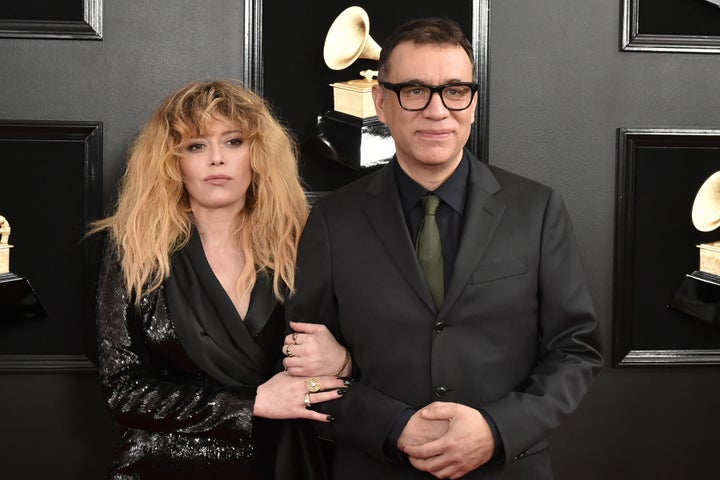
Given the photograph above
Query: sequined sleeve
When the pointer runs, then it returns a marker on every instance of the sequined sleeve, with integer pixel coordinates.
(147, 380)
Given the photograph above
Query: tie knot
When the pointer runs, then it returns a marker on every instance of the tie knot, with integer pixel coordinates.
(431, 203)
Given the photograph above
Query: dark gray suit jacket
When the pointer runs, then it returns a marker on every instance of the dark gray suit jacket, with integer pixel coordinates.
(516, 335)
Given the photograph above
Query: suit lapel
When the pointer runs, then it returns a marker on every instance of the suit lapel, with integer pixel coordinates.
(262, 305)
(385, 214)
(482, 215)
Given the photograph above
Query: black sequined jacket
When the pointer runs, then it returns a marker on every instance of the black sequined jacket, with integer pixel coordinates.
(175, 421)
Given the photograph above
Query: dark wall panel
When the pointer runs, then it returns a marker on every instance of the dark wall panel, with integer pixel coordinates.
(50, 189)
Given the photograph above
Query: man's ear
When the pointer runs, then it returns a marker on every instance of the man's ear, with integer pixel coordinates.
(378, 94)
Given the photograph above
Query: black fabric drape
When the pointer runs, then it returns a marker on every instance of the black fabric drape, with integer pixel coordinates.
(212, 332)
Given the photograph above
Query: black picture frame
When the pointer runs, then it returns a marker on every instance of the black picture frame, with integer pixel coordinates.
(680, 26)
(52, 19)
(301, 39)
(50, 190)
(659, 171)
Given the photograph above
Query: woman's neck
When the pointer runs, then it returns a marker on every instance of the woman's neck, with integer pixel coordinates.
(224, 254)
(216, 227)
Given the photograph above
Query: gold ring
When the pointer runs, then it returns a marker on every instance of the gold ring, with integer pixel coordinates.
(313, 385)
(295, 338)
(287, 350)
(307, 400)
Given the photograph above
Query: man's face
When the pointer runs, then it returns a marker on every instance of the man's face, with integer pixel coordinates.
(432, 138)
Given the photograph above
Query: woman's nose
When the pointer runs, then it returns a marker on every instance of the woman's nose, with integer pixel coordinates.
(216, 156)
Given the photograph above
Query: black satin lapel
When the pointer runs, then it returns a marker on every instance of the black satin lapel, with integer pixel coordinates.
(384, 213)
(262, 299)
(262, 305)
(210, 329)
(228, 328)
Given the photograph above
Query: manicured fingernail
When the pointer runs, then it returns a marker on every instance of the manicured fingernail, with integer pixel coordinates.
(341, 391)
(330, 418)
(347, 382)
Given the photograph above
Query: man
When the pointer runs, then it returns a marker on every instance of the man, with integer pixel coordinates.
(461, 373)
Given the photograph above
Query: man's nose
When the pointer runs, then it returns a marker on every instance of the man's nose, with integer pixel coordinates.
(436, 105)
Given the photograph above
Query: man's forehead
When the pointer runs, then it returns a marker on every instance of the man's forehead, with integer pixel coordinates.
(409, 60)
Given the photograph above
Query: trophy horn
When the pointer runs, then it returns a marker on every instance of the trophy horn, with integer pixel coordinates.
(706, 207)
(348, 39)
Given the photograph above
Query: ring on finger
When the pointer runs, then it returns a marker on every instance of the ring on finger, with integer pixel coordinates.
(313, 385)
(288, 352)
(294, 337)
(307, 400)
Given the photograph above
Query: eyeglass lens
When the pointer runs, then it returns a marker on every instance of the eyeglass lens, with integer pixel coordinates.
(417, 97)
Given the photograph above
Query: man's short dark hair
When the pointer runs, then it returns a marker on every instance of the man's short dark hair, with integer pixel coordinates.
(424, 31)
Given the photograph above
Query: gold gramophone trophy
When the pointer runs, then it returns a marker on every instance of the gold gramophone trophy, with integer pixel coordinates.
(351, 133)
(4, 245)
(699, 291)
(18, 300)
(347, 40)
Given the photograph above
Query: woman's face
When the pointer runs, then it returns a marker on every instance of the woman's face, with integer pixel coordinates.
(216, 167)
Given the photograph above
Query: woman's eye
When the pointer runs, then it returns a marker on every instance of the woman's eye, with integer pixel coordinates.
(194, 147)
(236, 142)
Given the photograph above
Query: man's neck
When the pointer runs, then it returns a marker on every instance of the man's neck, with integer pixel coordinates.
(430, 177)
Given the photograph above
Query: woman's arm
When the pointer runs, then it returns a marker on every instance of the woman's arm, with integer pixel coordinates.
(143, 393)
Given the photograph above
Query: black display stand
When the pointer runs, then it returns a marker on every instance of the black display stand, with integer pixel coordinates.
(359, 143)
(18, 300)
(699, 296)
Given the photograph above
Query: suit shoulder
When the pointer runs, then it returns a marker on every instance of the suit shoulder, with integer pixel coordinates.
(348, 192)
(511, 182)
(506, 177)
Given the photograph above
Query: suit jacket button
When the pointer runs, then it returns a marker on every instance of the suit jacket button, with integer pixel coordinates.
(439, 326)
(440, 392)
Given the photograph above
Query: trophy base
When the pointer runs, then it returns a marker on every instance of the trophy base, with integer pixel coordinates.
(18, 300)
(699, 296)
(710, 257)
(354, 98)
(359, 143)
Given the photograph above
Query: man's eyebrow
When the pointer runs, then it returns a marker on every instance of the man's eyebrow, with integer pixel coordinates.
(447, 81)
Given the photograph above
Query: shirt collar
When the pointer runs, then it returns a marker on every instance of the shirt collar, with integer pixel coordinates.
(452, 191)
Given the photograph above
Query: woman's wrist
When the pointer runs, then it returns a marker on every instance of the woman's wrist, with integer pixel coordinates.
(257, 404)
(343, 366)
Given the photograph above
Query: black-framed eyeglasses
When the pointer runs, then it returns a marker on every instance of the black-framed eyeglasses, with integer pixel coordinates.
(416, 96)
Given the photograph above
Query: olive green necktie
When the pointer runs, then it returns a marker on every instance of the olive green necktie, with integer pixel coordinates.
(429, 249)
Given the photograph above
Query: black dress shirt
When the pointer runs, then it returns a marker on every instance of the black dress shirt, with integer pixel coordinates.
(449, 215)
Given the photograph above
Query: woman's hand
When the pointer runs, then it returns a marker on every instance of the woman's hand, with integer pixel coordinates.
(312, 351)
(284, 396)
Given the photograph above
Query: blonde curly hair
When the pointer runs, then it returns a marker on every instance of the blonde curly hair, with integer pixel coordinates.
(152, 218)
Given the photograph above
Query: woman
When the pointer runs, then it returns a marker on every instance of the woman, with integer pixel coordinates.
(201, 254)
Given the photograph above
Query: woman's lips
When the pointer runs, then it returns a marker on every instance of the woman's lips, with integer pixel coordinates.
(217, 179)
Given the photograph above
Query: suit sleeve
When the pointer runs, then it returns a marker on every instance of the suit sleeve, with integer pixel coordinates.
(569, 344)
(363, 415)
